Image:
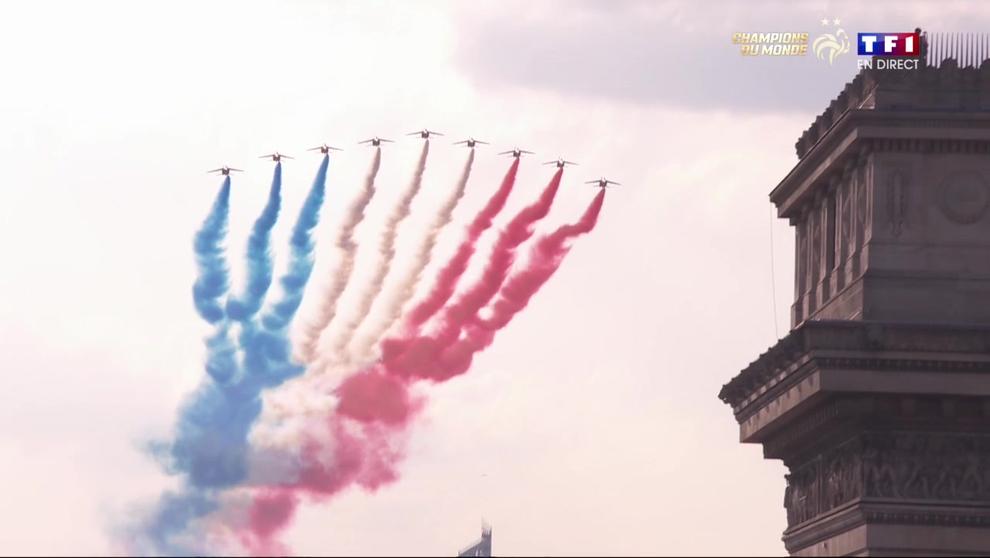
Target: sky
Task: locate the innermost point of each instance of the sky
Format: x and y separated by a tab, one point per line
591	426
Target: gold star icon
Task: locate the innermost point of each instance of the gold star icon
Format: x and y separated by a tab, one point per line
824	22
836	22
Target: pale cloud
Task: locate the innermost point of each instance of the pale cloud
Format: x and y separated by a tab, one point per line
592	424
675	53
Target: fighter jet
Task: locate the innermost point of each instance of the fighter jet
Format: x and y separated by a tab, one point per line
603	182
325	149
470	142
224	170
375	141
277	157
560	162
424	133
516	152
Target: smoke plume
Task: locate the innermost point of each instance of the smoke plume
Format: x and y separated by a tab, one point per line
348	249
407	286
386	254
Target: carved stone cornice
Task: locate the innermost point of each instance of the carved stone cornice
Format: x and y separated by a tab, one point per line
963	518
947	87
873	363
856	94
856	345
864	344
859	132
864	512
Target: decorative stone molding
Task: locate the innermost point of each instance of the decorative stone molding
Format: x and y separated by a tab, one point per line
888	466
896	202
964	197
947	87
958	519
825	340
824	483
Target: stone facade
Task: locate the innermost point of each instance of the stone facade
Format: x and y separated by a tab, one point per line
878	400
884	427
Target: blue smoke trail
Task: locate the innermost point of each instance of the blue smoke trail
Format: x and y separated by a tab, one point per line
212	444
211	284
175	509
301	266
211	447
267	350
259	258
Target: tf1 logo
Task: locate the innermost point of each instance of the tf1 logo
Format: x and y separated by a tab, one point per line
888	44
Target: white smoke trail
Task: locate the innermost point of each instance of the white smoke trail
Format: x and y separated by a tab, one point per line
348	248
387	253
407	287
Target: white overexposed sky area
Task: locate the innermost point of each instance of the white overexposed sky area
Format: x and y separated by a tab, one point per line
591	426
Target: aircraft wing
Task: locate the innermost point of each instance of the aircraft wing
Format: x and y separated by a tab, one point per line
524	151
238	170
569	163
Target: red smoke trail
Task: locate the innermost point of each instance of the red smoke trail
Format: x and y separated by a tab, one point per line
447	278
366	439
544	260
269	513
439	359
368	427
407	286
519	229
412	347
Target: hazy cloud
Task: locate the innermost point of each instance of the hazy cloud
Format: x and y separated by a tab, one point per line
676	54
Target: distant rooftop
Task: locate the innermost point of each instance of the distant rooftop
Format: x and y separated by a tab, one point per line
483	547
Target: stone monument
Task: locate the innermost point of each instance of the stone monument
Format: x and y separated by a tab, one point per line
878	400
